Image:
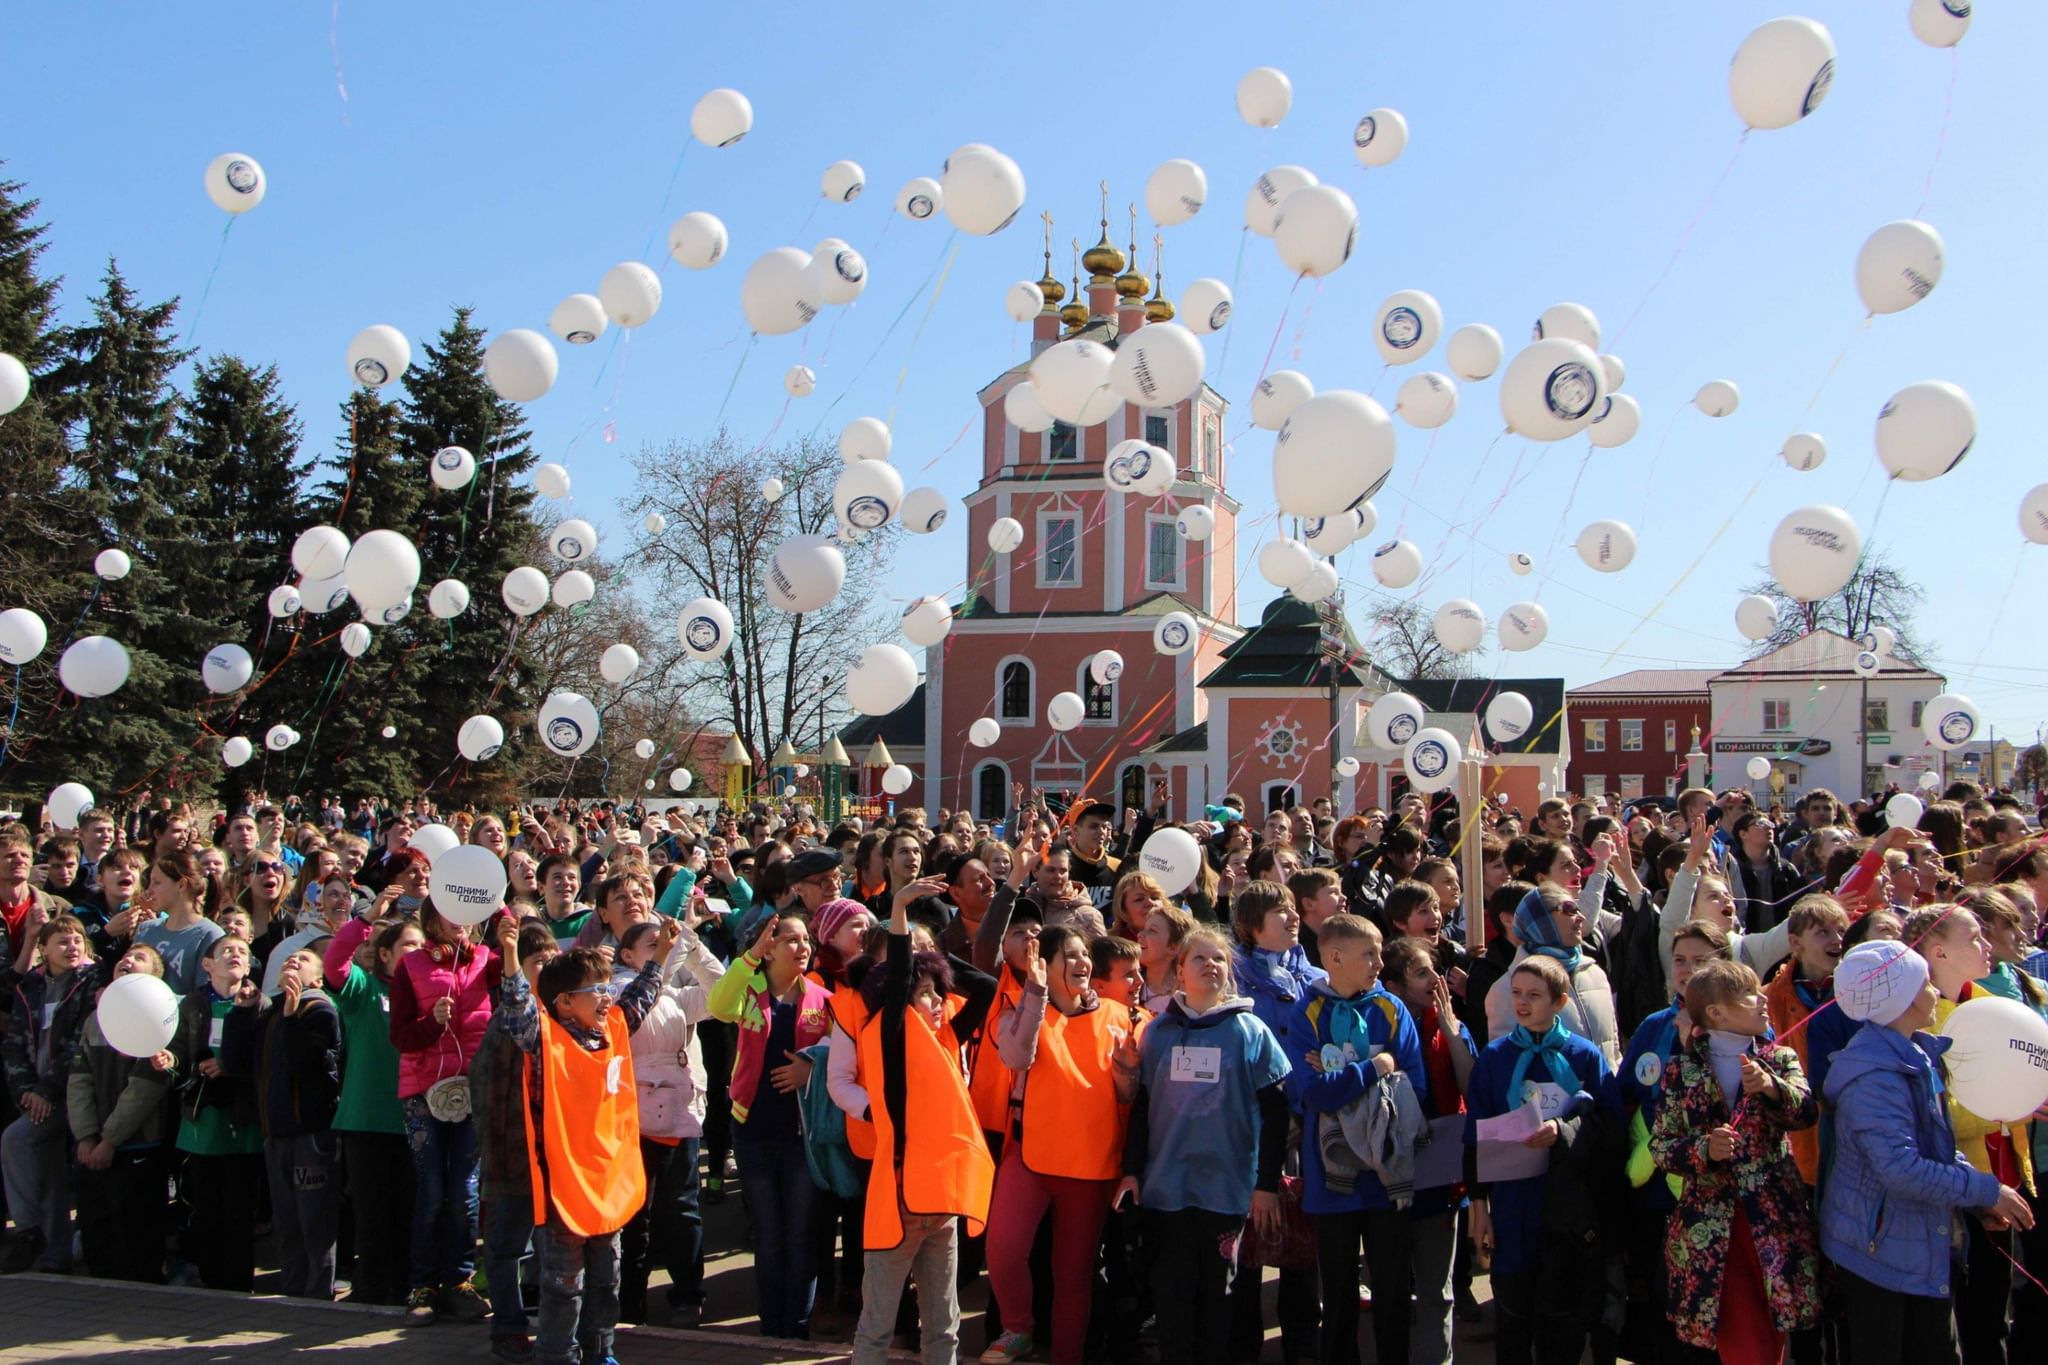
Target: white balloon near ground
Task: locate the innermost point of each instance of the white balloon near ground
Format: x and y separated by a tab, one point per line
1393	719
1814	552
237	751
721	118
679	780
1064	711
630	293
1315	230
1397	563
643	748
927	621
1427	400
1460	625
1756	617
1024	301
1264	95
1283	563
1619	418
551	480
1606	546
1175	192
779	292
771	490
1994	1062
705	628
1509	716
378	355
572	589
842	182
1195	522
1949	721
1106	666
1804	451
804	574
1379	137
1347	766
382	569
1898	266
1568	322
920	198
897	778
480	738
1407	326
1717	397
1520	564
1781	72
923	511
1172	859
112	565
2034	514
984	732
1205	305
1277	396
579	319
842	272
1333	452
867	494
448	599
138	1015
67	804
697	240
1474	352
14	384
1157	366
521	365
573	541
1523	626
618	663
451	468
1023	410
1940	23
23	634
1431	758
235	182
1552	389
1262	203
1175	633
1758	769
1320	585
1925	430
1071	380
468	884
226	668
567	724
984	189
525	590
1929	780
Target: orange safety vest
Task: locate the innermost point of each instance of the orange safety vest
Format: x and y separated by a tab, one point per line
850	1012
989	1082
1073	1124
946	1168
590	1130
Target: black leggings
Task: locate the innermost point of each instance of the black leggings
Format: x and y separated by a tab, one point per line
1887	1327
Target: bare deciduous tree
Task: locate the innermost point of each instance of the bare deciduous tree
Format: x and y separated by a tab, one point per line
1403	644
1877	594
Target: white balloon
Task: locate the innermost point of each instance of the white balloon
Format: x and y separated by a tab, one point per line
679	779
320	551
1175	633
579	319
2034	514
618	663
1319	585
14	384
1882	639
842	272
896	779
1781	72
1172	859
984	190
1949	721
1197	522
67	804
573	541
1523	626
1283	563
1024	301
1106	666
923	511
1157	366
721	118
1552	390
1567	322
448	599
867	494
1607	546
1264	96
381	571
697	241
1023	410
1925	430
779	293
279	738
138	1015
1432	759
1460	625
285	601
705	628
864	438
1940	23
1379	137
1005	534
654	523
1716	397
804	574
452	468
480	738
226	668
1347	766
112	565
1427	400
1064	711
1621	417
926	621
521	365
573	589
1521	563
1756	617
1615	370
1277	396
1329	535
1315	230
1899	265
630	293
22	636
1071	379
1509	716
1867	664
880	680
1814	551
1407	326
1397	563
799	381
771	490
567	724
551	480
1269	192
643	748
1929	781
984	732
1205	305
843	181
355	639
236	752
1758	769
1333	452
1176	192
525	590
323	595
919	199
395	613
1804	451
378	355
1473	352
235	182
468	884
389	732
1995	1064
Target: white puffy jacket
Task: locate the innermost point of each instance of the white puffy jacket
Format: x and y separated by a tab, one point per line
668	1065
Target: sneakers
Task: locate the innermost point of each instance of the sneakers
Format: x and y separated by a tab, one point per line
463	1302
419	1308
513	1350
1007	1349
21	1252
686	1315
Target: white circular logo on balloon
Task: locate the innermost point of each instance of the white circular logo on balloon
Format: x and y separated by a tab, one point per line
581	337
867	512
1402	728
1956	726
1173	634
564	733
1402	328
1219	315
703	634
920	206
243	178
1818	91
371	371
1570	391
848	265
568	547
1112	670
1362	135
1430	758
447	457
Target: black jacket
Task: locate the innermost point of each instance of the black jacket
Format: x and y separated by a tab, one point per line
291	1062
76	996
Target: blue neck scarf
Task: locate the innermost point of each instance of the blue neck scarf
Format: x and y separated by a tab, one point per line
1538	932
1550	1047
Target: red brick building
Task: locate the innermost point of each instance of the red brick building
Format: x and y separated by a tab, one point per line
1629	734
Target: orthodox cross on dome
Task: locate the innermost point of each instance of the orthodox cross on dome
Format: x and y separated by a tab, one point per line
1046	218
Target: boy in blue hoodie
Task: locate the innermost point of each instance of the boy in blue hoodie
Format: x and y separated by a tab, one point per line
1889	1203
1351	1043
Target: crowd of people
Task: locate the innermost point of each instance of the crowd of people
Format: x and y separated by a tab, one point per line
1687	1102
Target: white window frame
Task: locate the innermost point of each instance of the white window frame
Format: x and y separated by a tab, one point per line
1626	747
1883	724
1631	781
1043	559
1783	707
1082	682
1593	737
1671	786
1179	581
1595	786
1166	416
1030	716
974	789
1266	790
1079	434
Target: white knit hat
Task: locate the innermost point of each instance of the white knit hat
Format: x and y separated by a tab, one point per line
1878	980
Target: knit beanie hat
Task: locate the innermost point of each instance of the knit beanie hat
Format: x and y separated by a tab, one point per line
1879	980
832	917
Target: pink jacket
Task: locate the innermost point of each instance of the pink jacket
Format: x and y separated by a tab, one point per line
431	1052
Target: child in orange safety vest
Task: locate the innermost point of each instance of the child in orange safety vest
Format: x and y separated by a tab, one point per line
582	1133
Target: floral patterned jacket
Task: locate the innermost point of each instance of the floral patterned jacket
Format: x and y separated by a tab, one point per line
1761	1180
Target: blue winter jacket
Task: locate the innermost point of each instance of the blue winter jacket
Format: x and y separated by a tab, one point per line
1276	982
1389	1028
1888	1206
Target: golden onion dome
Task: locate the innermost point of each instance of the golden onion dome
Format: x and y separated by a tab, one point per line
1075	314
1103	259
1053	290
1132	284
1159	308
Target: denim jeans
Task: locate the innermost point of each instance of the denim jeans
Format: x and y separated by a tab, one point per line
508	1235
579	1295
444	1202
667	1232
779	1193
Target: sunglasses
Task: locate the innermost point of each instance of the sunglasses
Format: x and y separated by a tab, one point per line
602	990
266	867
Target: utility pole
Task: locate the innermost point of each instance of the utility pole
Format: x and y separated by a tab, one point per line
1330	612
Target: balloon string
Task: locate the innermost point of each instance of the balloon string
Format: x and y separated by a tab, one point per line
1557	533
334	47
206	291
719	420
1948	105
618	385
1656	457
940	288
1236	273
1266	365
661	214
1683	238
944	257
2005	597
1307	311
1427	453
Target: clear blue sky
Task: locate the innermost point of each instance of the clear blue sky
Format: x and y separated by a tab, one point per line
505	156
